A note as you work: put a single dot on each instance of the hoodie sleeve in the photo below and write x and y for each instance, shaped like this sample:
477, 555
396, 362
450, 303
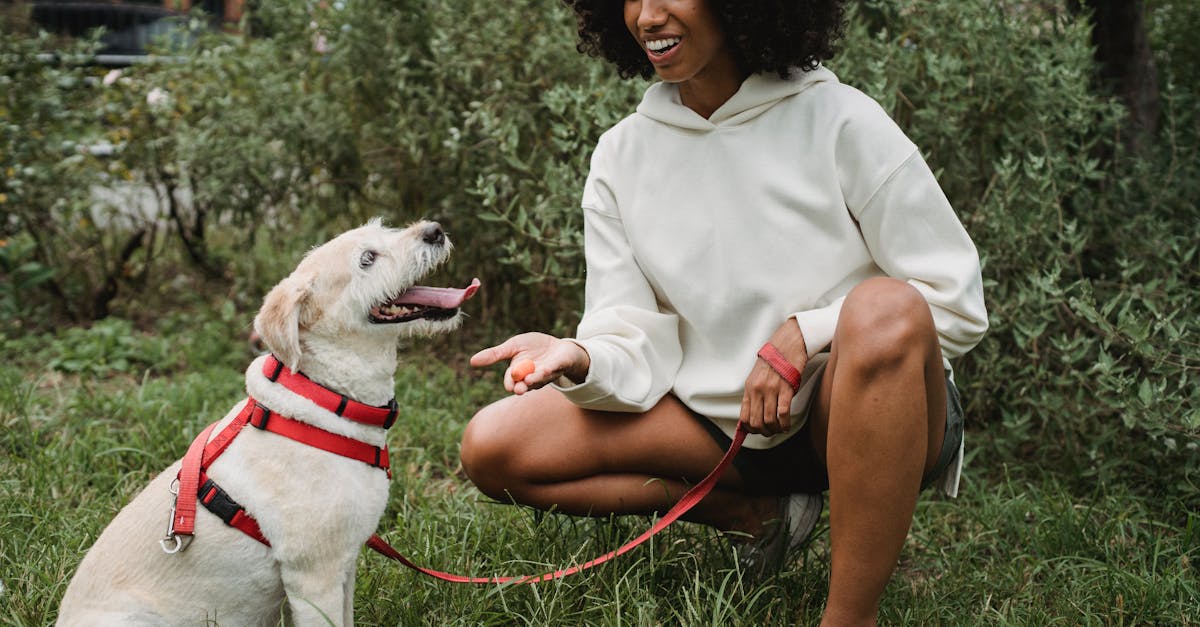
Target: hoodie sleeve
908, 225
634, 347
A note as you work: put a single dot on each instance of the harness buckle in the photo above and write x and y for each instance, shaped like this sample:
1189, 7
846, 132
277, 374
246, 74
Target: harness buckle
259, 416
273, 376
393, 412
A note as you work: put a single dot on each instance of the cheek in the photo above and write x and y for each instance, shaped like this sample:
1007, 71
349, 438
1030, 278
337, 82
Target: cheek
632, 10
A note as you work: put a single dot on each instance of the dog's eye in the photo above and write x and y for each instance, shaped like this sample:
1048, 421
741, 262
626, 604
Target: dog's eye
367, 258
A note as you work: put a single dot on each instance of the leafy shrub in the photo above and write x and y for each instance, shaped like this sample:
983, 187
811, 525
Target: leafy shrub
21, 275
45, 118
109, 347
1090, 268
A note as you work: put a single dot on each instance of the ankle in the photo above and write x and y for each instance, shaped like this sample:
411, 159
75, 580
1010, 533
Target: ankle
758, 515
842, 617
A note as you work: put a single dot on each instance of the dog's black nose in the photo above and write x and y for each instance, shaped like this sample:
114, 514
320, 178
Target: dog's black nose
433, 234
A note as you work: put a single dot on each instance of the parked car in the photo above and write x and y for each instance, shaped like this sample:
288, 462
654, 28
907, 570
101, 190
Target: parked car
130, 29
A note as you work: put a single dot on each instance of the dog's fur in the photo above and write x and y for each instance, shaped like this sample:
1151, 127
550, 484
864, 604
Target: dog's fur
316, 508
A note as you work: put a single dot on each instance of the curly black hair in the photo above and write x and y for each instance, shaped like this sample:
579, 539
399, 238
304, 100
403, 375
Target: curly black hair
765, 35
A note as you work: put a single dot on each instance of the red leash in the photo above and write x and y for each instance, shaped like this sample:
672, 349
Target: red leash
687, 502
194, 484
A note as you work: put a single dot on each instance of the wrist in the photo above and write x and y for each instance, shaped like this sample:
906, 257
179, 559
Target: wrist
577, 372
789, 340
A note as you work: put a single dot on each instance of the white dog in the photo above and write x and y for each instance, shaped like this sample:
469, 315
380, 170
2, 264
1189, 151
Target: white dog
338, 320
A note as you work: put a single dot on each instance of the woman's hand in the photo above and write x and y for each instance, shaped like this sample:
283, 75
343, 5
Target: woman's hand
552, 358
767, 401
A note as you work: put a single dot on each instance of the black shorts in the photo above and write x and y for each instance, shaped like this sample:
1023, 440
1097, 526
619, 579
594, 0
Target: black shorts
792, 466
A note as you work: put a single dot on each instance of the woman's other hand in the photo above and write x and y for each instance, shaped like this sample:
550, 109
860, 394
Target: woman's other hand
767, 401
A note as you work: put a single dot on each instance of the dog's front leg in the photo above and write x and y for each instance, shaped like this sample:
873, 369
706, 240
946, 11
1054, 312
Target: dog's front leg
316, 594
348, 599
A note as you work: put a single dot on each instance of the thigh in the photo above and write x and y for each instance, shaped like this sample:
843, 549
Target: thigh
544, 437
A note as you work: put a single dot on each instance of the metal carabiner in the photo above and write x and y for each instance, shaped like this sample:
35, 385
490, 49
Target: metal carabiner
168, 548
172, 543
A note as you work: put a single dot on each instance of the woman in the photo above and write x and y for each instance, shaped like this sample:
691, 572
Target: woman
763, 245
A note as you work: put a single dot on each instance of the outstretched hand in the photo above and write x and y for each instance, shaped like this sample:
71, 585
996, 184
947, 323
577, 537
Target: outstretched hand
767, 401
551, 358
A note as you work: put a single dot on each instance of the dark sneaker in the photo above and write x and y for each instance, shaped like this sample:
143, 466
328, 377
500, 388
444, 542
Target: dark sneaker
798, 516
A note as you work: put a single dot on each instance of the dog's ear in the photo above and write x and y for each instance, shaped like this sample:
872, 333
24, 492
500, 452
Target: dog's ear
282, 313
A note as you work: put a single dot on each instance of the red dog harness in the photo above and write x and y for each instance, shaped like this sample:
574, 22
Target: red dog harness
194, 486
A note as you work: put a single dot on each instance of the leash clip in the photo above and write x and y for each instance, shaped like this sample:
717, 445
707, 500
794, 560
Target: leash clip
172, 543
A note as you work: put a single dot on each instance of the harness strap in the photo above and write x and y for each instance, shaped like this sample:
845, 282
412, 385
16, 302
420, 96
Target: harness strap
686, 502
195, 486
265, 419
350, 409
183, 515
228, 510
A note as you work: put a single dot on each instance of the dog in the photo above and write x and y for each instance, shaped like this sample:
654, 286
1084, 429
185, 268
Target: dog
335, 322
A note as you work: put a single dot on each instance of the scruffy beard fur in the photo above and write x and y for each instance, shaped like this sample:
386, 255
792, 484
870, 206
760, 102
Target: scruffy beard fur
316, 508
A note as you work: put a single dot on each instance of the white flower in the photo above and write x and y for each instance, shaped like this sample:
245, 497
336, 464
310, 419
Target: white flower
112, 77
158, 97
320, 44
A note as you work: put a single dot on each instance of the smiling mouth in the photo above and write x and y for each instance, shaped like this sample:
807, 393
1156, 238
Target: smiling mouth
422, 303
660, 47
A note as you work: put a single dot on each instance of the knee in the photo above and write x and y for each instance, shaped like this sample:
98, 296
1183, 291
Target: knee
487, 451
885, 323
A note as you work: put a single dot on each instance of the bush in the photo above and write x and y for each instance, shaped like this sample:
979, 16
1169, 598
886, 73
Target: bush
45, 121
326, 116
1090, 266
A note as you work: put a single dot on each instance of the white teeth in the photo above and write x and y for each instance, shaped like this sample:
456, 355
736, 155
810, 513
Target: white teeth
660, 44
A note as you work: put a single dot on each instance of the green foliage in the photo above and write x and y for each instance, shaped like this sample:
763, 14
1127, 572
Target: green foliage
110, 346
322, 117
45, 174
1089, 262
1172, 25
21, 274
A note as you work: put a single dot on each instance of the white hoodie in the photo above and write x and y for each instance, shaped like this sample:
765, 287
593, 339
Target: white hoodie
703, 235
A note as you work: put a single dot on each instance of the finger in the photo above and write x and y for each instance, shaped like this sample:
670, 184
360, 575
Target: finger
509, 384
770, 418
487, 356
783, 409
757, 420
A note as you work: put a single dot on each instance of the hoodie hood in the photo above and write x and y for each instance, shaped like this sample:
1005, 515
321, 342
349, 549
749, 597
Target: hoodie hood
758, 93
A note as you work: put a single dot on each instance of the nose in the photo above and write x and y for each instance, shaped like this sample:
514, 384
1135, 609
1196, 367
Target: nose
433, 234
651, 14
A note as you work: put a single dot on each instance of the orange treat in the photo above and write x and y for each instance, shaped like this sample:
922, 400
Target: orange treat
522, 369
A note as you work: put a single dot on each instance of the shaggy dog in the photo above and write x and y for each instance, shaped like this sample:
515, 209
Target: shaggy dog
337, 320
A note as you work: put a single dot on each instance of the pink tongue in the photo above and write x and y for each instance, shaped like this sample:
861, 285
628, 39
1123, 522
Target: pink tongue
440, 297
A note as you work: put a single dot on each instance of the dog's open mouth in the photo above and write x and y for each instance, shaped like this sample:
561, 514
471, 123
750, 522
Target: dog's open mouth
420, 302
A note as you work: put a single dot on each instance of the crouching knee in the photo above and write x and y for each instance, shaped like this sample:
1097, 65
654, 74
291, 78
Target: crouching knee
488, 449
885, 322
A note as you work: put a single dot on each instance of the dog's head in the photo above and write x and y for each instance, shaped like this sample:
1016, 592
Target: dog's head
363, 284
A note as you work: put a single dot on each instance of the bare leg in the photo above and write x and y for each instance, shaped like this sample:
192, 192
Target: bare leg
881, 405
540, 450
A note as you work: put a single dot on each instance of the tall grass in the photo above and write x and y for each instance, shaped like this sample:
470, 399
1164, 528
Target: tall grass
1023, 548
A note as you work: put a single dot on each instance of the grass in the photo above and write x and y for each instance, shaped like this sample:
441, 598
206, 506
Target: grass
86, 420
